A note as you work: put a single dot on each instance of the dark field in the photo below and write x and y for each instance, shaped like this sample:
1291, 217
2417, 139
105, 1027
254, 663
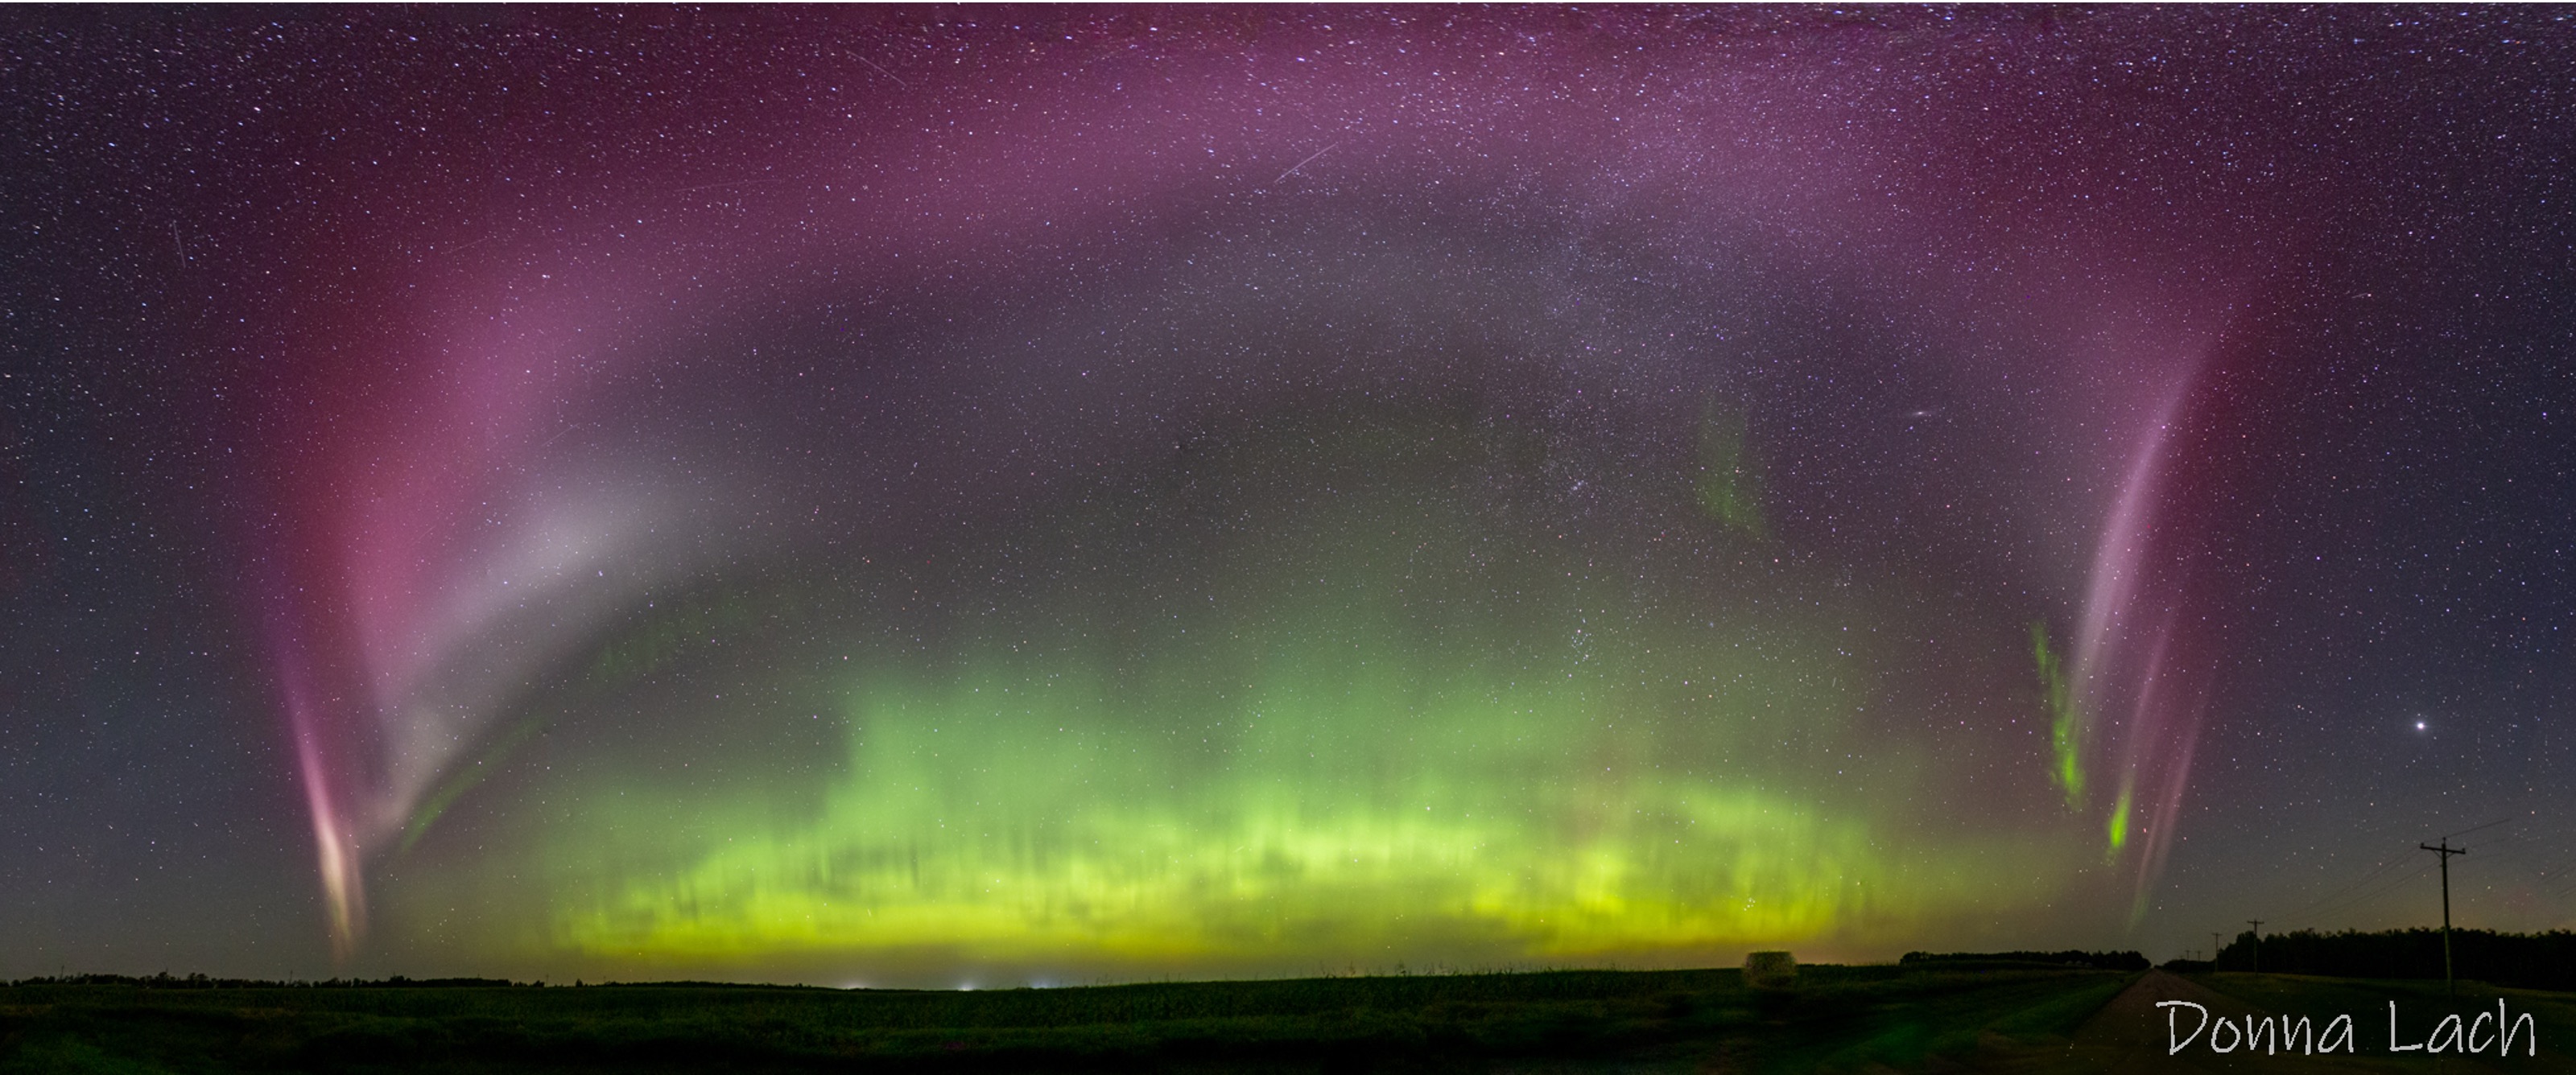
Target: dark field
1995, 1017
1835, 1018
2420, 1006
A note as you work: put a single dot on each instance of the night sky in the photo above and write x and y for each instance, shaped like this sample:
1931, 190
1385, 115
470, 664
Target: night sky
1000, 496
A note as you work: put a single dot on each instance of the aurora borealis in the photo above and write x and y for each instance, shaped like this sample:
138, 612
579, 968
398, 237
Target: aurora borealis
1025, 495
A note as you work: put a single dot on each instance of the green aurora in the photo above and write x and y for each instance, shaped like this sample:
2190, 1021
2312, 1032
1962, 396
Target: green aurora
2065, 725
1372, 716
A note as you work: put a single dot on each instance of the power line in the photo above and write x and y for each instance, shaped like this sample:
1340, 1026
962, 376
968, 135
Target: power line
2565, 885
2466, 831
2446, 851
2367, 878
2559, 870
2362, 898
2336, 897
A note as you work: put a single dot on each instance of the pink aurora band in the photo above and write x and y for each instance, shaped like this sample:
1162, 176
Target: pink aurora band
446, 541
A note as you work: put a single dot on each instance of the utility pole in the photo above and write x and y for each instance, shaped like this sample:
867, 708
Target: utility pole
2257, 923
2214, 949
2446, 851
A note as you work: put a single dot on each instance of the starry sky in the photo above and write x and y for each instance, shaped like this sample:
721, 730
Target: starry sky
1002, 496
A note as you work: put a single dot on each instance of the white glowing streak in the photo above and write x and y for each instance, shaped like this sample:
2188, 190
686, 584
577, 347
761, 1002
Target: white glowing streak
468, 660
2121, 557
343, 891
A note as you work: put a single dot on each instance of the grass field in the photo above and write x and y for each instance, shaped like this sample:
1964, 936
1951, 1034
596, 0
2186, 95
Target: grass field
1836, 1018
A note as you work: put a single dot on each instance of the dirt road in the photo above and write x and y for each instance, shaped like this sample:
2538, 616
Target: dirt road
2130, 1035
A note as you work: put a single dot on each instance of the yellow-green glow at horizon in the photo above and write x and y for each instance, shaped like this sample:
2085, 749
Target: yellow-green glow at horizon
1026, 844
1343, 806
1398, 723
